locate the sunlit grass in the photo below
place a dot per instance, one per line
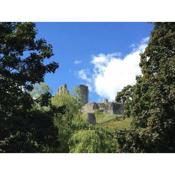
(103, 117)
(111, 121)
(118, 123)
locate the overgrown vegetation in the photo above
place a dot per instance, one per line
(23, 129)
(152, 100)
(32, 120)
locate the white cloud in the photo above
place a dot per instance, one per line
(111, 73)
(84, 76)
(77, 61)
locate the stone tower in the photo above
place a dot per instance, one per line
(83, 94)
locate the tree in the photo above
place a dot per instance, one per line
(67, 100)
(39, 89)
(68, 122)
(41, 95)
(95, 140)
(22, 59)
(125, 97)
(154, 95)
(77, 95)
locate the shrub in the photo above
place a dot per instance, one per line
(96, 140)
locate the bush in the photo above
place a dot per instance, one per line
(96, 140)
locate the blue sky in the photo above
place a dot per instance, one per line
(87, 51)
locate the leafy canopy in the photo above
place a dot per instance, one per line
(153, 102)
(22, 65)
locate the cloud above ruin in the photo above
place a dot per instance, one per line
(83, 74)
(110, 73)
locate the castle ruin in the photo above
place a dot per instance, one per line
(109, 107)
(106, 106)
(91, 107)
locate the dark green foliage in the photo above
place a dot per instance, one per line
(34, 132)
(22, 65)
(154, 96)
(125, 97)
(44, 99)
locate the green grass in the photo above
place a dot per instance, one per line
(111, 121)
(103, 117)
(118, 123)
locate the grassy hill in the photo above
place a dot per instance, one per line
(111, 121)
(118, 123)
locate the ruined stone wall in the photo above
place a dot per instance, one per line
(90, 107)
(109, 107)
(119, 108)
(91, 118)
